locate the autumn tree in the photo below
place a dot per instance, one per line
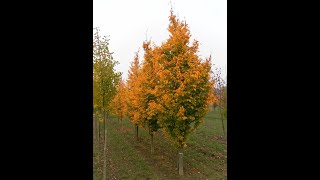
(119, 104)
(185, 85)
(150, 107)
(221, 94)
(105, 80)
(132, 93)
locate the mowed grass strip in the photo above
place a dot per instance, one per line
(205, 157)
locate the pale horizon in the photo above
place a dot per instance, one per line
(129, 23)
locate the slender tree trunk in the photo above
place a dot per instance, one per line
(98, 139)
(94, 129)
(95, 137)
(121, 117)
(97, 128)
(221, 113)
(224, 133)
(120, 120)
(104, 125)
(180, 161)
(98, 123)
(152, 147)
(137, 132)
(104, 148)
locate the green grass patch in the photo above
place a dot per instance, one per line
(205, 156)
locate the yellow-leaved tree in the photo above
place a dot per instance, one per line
(105, 80)
(185, 85)
(119, 102)
(151, 109)
(132, 93)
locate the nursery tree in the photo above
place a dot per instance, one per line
(105, 80)
(185, 85)
(150, 109)
(221, 94)
(118, 104)
(132, 92)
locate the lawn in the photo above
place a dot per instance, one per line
(205, 156)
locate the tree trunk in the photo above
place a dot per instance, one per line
(104, 125)
(98, 123)
(152, 147)
(220, 104)
(224, 133)
(94, 129)
(105, 148)
(95, 126)
(97, 130)
(119, 120)
(98, 139)
(121, 117)
(137, 132)
(180, 161)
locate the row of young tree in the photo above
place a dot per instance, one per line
(105, 82)
(171, 89)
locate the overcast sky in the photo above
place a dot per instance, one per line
(127, 22)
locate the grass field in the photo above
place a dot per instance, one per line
(205, 156)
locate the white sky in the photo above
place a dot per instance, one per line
(127, 21)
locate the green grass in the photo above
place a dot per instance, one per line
(204, 157)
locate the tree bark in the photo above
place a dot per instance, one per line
(137, 132)
(152, 147)
(104, 148)
(104, 125)
(221, 113)
(224, 133)
(121, 117)
(98, 123)
(180, 161)
(97, 130)
(98, 139)
(94, 129)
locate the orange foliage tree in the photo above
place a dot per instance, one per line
(151, 109)
(119, 104)
(133, 92)
(185, 85)
(173, 88)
